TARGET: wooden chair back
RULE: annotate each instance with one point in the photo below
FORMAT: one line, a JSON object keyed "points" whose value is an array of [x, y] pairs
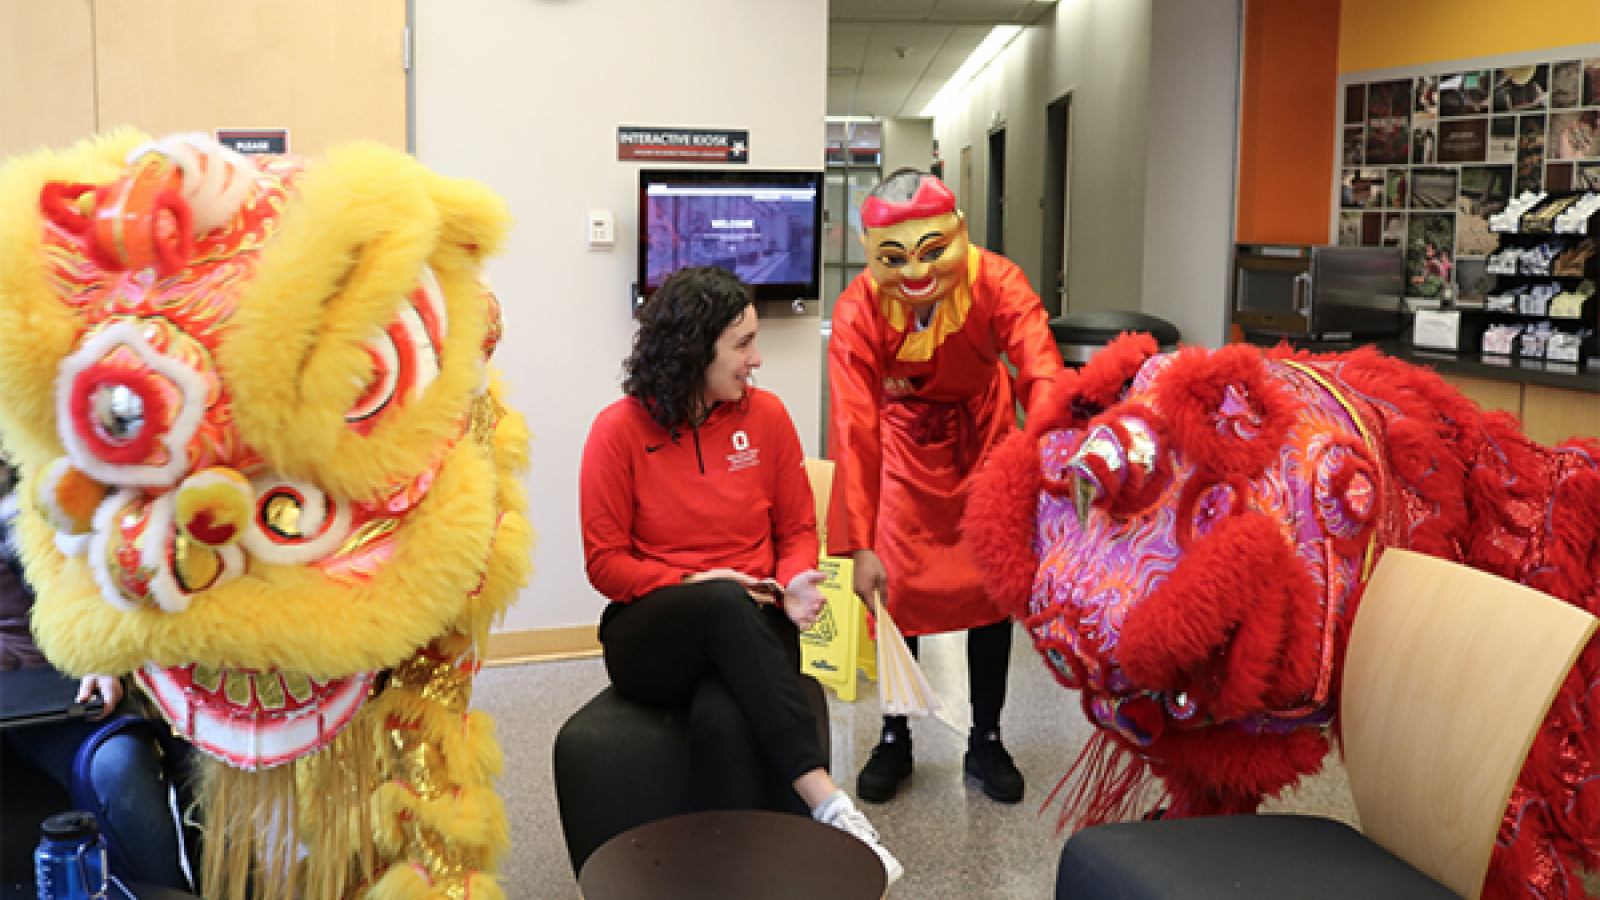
{"points": [[1450, 672]]}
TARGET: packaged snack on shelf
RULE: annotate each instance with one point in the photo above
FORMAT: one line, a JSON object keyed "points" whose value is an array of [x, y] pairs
{"points": [[1564, 347], [1531, 343], [1500, 339], [1568, 305]]}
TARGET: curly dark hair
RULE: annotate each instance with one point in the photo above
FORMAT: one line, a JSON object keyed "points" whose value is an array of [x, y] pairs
{"points": [[677, 340]]}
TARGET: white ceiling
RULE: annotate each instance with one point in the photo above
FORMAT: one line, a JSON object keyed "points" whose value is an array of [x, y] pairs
{"points": [[888, 58]]}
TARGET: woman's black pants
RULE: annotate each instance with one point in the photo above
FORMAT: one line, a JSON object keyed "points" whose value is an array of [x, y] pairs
{"points": [[735, 665]]}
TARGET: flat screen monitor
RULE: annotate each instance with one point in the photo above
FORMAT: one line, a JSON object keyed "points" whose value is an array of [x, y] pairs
{"points": [[762, 226]]}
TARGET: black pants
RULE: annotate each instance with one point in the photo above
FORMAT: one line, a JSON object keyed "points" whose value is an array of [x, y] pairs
{"points": [[988, 665], [736, 666]]}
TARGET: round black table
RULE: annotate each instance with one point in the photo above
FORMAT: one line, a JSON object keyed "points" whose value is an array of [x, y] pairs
{"points": [[733, 853]]}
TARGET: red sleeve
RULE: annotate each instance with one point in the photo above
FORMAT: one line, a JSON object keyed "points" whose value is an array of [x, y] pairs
{"points": [[1022, 329], [794, 513], [606, 493], [856, 366]]}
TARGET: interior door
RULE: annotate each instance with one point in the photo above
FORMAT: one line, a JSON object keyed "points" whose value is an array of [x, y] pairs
{"points": [[328, 72], [965, 194], [996, 240], [46, 74], [1057, 205]]}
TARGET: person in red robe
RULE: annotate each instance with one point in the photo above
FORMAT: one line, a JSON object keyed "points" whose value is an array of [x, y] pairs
{"points": [[919, 394]]}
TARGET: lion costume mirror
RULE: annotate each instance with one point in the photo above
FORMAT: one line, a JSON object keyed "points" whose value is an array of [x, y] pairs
{"points": [[268, 471]]}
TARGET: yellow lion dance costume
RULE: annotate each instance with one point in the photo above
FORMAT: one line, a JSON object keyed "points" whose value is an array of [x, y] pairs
{"points": [[269, 473]]}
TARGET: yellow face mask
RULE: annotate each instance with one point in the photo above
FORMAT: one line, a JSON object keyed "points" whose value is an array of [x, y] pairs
{"points": [[918, 262]]}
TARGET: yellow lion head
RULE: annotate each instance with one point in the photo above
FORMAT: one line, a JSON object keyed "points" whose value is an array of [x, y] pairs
{"points": [[265, 461]]}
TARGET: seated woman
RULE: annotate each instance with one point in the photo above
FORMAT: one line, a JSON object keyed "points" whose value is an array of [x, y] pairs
{"points": [[698, 524], [125, 772]]}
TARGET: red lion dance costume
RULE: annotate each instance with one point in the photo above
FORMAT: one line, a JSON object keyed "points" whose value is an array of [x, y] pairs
{"points": [[1187, 536]]}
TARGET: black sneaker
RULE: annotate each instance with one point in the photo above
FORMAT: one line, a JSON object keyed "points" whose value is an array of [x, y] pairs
{"points": [[889, 765], [988, 761]]}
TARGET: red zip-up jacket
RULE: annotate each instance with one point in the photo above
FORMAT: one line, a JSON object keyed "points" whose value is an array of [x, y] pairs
{"points": [[730, 494]]}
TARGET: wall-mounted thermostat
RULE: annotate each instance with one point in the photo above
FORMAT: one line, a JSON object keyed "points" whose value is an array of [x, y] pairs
{"points": [[602, 230]]}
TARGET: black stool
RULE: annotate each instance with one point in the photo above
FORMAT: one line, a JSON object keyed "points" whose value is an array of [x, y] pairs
{"points": [[619, 765]]}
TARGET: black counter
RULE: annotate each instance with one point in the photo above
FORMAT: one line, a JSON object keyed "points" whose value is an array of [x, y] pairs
{"points": [[1573, 376]]}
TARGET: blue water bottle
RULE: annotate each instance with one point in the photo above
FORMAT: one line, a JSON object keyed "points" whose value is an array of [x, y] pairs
{"points": [[70, 862]]}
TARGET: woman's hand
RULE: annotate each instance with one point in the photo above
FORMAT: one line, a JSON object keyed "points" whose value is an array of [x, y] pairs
{"points": [[803, 599], [759, 591], [730, 574], [108, 687]]}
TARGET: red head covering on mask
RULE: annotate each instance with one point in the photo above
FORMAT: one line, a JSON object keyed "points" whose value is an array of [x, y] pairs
{"points": [[931, 199]]}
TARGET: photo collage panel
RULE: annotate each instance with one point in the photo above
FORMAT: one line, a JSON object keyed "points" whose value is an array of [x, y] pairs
{"points": [[1425, 161]]}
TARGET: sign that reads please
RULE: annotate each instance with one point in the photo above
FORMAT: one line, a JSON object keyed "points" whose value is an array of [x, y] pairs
{"points": [[695, 145], [254, 140]]}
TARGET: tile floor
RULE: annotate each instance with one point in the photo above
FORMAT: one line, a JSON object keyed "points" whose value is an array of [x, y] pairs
{"points": [[954, 842]]}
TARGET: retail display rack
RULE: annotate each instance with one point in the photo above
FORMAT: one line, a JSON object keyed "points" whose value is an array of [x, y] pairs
{"points": [[1543, 304]]}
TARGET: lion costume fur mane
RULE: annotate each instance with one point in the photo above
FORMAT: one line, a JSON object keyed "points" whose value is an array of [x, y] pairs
{"points": [[269, 473], [1186, 538]]}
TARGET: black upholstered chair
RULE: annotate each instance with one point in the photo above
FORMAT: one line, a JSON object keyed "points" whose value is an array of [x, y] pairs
{"points": [[1433, 740], [619, 765], [27, 798]]}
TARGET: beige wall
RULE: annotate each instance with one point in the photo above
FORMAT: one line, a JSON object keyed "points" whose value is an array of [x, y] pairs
{"points": [[1154, 115], [1099, 52], [527, 97], [907, 143], [1190, 166]]}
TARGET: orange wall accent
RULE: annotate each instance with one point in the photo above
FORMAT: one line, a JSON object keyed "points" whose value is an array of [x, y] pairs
{"points": [[1286, 131], [1384, 34]]}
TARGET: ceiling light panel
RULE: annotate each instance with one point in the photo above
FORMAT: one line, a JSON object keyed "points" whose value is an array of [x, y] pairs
{"points": [[998, 40]]}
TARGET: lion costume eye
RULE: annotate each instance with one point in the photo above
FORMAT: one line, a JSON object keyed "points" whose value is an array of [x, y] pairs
{"points": [[405, 356], [126, 410], [381, 389], [295, 522]]}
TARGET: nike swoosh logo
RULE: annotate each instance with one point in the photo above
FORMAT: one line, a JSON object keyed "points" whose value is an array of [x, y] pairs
{"points": [[650, 449]]}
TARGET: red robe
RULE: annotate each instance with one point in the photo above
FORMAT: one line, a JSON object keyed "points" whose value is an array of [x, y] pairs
{"points": [[900, 489]]}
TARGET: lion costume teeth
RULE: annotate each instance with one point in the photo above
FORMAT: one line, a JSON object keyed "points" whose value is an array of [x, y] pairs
{"points": [[270, 474]]}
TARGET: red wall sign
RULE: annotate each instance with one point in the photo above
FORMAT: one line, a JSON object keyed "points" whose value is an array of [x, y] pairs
{"points": [[694, 145]]}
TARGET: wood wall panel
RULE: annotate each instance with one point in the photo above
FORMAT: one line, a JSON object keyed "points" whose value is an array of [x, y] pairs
{"points": [[329, 72], [1554, 414], [46, 74], [1506, 395]]}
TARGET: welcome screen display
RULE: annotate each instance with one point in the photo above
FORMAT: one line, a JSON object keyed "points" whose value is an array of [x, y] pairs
{"points": [[762, 234]]}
